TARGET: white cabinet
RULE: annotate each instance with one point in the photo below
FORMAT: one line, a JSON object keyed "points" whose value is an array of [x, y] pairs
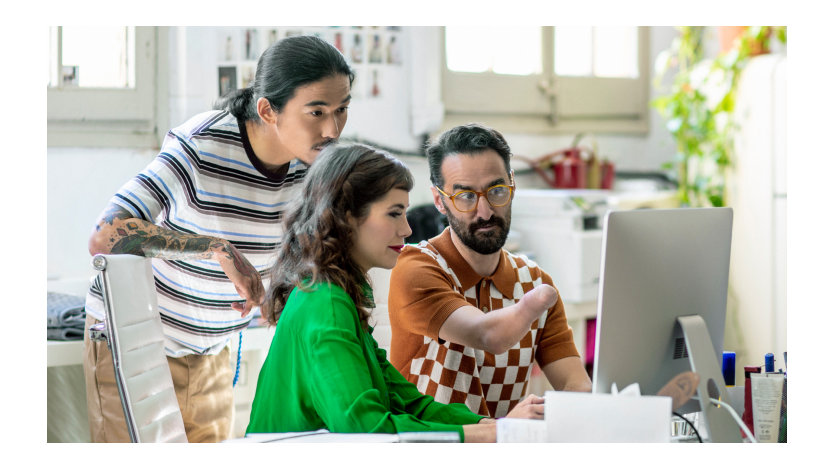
{"points": [[757, 192]]}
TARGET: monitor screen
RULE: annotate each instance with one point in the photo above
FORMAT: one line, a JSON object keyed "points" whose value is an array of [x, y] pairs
{"points": [[658, 265]]}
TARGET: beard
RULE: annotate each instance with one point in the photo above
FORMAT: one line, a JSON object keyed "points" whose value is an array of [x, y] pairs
{"points": [[485, 243]]}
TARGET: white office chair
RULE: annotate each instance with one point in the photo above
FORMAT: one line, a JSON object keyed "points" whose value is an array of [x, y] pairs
{"points": [[133, 331]]}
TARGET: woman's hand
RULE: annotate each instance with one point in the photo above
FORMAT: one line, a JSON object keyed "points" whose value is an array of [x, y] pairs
{"points": [[479, 432]]}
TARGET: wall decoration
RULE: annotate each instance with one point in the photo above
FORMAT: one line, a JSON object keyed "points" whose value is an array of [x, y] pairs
{"points": [[375, 90], [372, 52], [226, 79], [252, 49], [247, 75], [227, 48], [392, 51], [69, 75], [357, 53], [375, 56]]}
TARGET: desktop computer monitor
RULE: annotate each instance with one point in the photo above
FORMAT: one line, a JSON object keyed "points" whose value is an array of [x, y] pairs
{"points": [[659, 266]]}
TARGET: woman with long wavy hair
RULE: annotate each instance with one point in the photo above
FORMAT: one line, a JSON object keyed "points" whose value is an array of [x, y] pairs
{"points": [[324, 370]]}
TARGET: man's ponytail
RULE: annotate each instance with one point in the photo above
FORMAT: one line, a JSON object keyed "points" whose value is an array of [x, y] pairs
{"points": [[239, 103]]}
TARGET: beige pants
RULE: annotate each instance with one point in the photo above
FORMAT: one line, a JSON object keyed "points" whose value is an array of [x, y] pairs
{"points": [[203, 385]]}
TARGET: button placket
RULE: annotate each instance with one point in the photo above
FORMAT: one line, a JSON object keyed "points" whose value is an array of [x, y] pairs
{"points": [[484, 297]]}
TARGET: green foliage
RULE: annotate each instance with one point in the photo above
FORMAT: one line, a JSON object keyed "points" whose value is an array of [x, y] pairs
{"points": [[698, 108]]}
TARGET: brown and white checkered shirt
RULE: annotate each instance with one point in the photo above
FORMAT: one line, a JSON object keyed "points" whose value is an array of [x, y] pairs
{"points": [[432, 280]]}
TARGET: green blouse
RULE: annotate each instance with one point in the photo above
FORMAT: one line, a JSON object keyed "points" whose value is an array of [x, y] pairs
{"points": [[324, 371]]}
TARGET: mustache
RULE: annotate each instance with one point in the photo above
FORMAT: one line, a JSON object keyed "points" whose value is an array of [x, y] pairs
{"points": [[324, 143], [481, 223]]}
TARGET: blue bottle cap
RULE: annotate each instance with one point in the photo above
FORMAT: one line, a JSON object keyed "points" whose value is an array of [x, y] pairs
{"points": [[769, 362], [728, 368]]}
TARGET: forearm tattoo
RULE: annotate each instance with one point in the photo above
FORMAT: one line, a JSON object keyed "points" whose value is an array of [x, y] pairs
{"points": [[142, 238]]}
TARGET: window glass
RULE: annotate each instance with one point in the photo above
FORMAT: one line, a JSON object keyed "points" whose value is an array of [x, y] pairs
{"points": [[615, 52], [573, 51], [507, 50], [609, 51], [92, 57]]}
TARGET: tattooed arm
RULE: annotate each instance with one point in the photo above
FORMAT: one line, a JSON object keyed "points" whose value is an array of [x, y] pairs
{"points": [[118, 232]]}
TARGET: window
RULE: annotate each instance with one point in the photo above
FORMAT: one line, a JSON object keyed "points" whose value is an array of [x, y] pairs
{"points": [[102, 86], [548, 79]]}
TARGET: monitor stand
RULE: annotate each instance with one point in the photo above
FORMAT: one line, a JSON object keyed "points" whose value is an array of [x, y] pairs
{"points": [[720, 425]]}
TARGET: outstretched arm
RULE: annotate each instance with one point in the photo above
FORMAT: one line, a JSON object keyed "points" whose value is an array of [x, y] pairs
{"points": [[118, 232], [499, 330]]}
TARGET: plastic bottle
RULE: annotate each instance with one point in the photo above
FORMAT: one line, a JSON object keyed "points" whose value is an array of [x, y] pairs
{"points": [[769, 362], [728, 368]]}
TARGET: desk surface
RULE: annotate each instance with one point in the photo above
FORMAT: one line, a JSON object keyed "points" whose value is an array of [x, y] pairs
{"points": [[324, 436]]}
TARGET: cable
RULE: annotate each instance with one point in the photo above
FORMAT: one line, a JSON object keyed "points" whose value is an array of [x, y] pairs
{"points": [[697, 434], [237, 368], [735, 417]]}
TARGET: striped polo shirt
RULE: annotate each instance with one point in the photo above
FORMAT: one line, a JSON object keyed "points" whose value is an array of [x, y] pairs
{"points": [[206, 180]]}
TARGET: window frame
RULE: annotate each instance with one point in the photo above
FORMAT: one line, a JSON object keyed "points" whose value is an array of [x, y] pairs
{"points": [[547, 103], [114, 117]]}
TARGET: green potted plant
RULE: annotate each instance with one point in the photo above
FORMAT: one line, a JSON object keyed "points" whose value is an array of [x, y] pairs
{"points": [[699, 104]]}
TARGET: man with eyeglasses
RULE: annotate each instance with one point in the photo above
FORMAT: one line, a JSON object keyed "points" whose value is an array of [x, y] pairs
{"points": [[468, 318]]}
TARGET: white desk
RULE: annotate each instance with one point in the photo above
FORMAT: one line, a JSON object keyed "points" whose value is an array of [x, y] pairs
{"points": [[324, 436]]}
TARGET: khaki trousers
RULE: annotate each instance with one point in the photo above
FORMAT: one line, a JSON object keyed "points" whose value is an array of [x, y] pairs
{"points": [[203, 385]]}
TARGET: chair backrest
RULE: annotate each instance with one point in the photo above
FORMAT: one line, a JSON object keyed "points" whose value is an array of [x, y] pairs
{"points": [[134, 334]]}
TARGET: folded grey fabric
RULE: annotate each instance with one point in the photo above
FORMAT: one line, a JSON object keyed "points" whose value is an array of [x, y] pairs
{"points": [[65, 334], [64, 310]]}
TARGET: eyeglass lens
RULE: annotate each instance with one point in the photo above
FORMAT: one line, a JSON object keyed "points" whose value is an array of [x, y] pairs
{"points": [[497, 196]]}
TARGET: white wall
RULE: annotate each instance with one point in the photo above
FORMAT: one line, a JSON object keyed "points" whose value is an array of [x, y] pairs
{"points": [[79, 184]]}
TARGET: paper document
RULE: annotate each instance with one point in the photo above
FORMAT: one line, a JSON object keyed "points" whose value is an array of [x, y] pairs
{"points": [[322, 435], [511, 430]]}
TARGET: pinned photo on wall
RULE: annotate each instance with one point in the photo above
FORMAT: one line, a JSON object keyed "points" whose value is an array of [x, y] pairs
{"points": [[272, 37], [392, 51], [226, 79], [337, 41], [251, 45], [69, 75], [357, 51], [376, 55], [375, 88], [227, 48], [247, 75]]}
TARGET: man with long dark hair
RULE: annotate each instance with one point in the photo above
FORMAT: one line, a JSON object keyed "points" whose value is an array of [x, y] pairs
{"points": [[468, 318], [208, 211]]}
